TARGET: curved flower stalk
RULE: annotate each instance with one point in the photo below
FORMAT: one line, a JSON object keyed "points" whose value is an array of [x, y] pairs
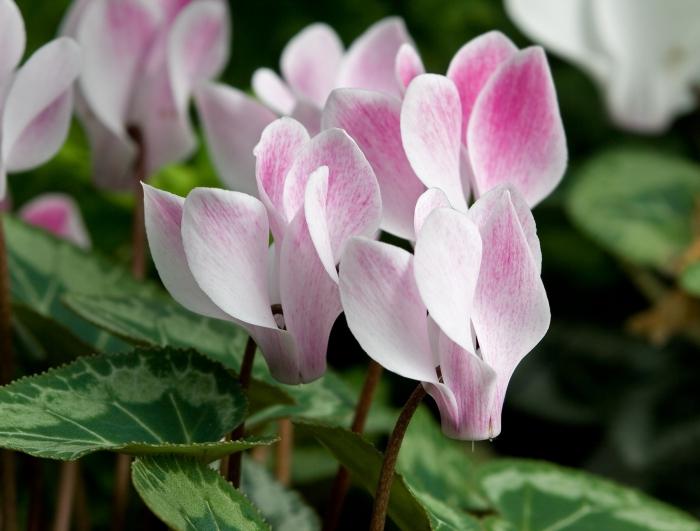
{"points": [[142, 61], [492, 120], [459, 314], [643, 54], [36, 100], [212, 249], [312, 64]]}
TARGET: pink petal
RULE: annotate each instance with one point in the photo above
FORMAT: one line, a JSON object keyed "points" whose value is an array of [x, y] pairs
{"points": [[474, 64], [308, 114], [198, 47], [447, 259], [233, 123], [354, 202], [163, 213], [225, 236], [515, 133], [430, 200], [280, 144], [470, 408], [430, 128], [310, 299], [408, 65], [511, 312], [58, 214], [310, 62], [384, 310], [316, 214], [12, 41], [39, 105], [272, 91], [280, 352], [369, 62], [372, 119]]}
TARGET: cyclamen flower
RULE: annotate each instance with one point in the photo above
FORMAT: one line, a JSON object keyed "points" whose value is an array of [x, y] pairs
{"points": [[644, 54], [142, 61], [494, 119], [459, 314], [312, 64], [36, 100], [58, 214], [211, 249]]}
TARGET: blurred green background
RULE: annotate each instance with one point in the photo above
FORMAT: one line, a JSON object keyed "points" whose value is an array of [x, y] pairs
{"points": [[593, 395]]}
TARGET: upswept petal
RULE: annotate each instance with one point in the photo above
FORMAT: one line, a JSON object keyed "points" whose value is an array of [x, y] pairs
{"points": [[369, 62], [225, 236], [39, 105], [315, 202], [310, 62], [163, 213], [473, 65], [198, 47], [12, 41], [408, 65], [373, 120], [310, 299], [309, 115], [58, 214], [511, 311], [354, 201], [446, 263], [515, 134], [233, 123], [431, 131], [384, 310], [279, 145], [430, 200], [272, 91]]}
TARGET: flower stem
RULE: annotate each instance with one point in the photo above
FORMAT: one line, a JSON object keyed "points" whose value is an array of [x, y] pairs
{"points": [[391, 454], [138, 228], [66, 496], [233, 467], [341, 484], [283, 464]]}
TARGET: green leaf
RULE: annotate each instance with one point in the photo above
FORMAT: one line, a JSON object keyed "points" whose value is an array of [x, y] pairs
{"points": [[145, 401], [285, 509], [637, 204], [541, 496], [188, 495], [690, 279]]}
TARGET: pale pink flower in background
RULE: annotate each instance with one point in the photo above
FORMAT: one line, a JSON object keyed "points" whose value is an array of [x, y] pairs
{"points": [[36, 100], [58, 214], [312, 64], [492, 120], [213, 255], [459, 314], [643, 54], [142, 61]]}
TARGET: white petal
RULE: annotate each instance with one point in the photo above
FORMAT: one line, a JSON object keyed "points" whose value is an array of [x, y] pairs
{"points": [[272, 91]]}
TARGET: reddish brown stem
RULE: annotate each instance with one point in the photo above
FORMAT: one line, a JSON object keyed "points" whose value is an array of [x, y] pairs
{"points": [[138, 228], [341, 484], [120, 499], [66, 496], [35, 516], [283, 464], [391, 454]]}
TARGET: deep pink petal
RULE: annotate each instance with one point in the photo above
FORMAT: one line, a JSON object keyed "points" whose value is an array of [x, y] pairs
{"points": [[39, 105], [447, 259], [310, 299], [280, 144], [430, 200], [408, 65], [225, 236], [272, 91], [515, 134], [384, 310], [163, 213], [233, 123], [12, 41], [369, 62], [511, 311], [474, 64], [430, 128], [372, 119], [310, 62], [58, 214]]}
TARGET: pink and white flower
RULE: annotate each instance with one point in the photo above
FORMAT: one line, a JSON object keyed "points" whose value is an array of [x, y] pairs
{"points": [[212, 249], [36, 100], [459, 314], [58, 214], [492, 120], [312, 64], [142, 61]]}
